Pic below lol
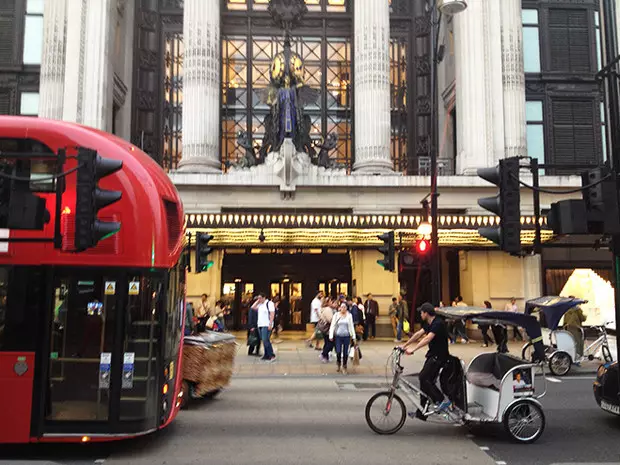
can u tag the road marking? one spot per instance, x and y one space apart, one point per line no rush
500 462
551 379
100 461
485 448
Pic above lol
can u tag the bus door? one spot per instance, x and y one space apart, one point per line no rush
83 332
104 359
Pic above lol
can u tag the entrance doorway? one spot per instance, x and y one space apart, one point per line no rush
289 296
294 276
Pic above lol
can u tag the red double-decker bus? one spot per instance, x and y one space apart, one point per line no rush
90 341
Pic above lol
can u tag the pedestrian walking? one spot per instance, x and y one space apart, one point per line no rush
484 329
253 332
324 325
457 328
343 332
393 314
315 311
371 310
266 315
511 306
403 311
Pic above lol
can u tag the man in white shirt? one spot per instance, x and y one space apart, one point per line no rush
266 314
315 316
512 307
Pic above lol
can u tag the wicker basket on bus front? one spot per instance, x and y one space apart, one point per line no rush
209 366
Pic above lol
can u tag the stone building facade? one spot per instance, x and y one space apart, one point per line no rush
181 78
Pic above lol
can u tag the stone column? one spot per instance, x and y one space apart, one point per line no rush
372 87
513 79
52 84
201 86
474 88
97 82
74 60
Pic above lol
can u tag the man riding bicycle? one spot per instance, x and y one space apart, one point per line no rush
433 334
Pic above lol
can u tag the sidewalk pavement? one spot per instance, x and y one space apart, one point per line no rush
295 358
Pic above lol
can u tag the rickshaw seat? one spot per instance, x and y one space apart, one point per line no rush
487 370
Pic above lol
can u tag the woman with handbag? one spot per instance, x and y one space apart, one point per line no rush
343 331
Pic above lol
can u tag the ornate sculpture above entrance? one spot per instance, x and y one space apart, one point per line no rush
286 95
287 151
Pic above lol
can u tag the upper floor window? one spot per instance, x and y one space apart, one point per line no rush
313 5
569 40
33 32
535 130
531 41
29 104
599 49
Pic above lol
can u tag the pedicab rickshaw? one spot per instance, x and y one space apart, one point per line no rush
564 349
495 388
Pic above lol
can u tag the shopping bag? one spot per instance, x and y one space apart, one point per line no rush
356 357
406 327
352 353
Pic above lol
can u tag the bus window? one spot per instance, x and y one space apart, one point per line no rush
40 170
22 299
142 345
81 346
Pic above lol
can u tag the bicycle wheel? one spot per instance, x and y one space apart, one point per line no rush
559 363
385 416
606 354
524 421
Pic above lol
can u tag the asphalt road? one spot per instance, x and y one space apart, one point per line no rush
310 420
577 431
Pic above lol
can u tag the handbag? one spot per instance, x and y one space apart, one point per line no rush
253 339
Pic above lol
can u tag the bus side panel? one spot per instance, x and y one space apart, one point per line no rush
16 381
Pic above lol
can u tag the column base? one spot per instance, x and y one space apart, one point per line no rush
373 167
199 165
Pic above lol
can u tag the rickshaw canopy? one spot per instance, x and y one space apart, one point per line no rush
488 316
553 308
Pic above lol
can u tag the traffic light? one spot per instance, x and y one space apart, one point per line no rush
388 251
202 252
422 247
596 213
507 205
90 199
600 196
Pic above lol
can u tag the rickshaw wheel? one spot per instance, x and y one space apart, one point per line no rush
382 399
559 363
524 421
527 352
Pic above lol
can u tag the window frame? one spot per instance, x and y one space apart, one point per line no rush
31 15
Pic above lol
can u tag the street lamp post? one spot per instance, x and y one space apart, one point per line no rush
437 7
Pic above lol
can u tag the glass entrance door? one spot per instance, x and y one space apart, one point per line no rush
290 304
82 342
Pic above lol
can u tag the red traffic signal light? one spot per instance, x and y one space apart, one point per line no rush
422 246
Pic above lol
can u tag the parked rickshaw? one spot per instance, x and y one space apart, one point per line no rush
494 388
563 348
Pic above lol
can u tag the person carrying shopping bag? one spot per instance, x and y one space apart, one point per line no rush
343 331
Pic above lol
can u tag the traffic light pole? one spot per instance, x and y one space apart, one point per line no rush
608 8
435 255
